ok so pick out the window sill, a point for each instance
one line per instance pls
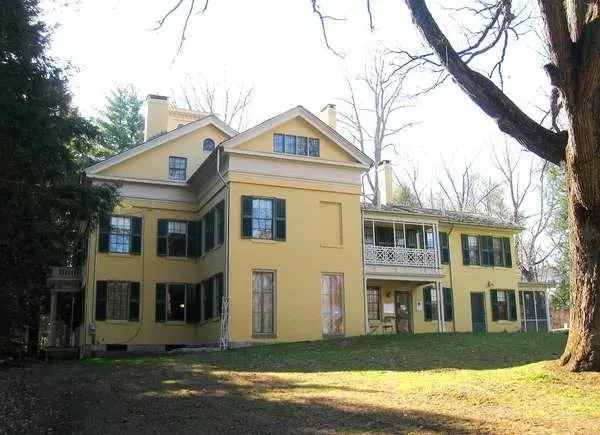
(117, 322)
(121, 254)
(172, 257)
(175, 323)
(265, 241)
(505, 321)
(259, 336)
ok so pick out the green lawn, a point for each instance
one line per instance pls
(457, 383)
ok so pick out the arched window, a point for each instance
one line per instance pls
(208, 144)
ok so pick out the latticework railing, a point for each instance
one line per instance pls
(389, 255)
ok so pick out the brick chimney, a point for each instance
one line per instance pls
(386, 187)
(157, 115)
(329, 115)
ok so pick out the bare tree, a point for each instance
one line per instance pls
(571, 34)
(372, 125)
(229, 103)
(409, 193)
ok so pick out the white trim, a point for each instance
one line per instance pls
(297, 157)
(309, 117)
(138, 180)
(160, 140)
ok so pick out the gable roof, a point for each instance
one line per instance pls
(160, 140)
(310, 118)
(447, 216)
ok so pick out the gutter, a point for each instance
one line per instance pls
(364, 272)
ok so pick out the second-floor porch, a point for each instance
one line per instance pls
(401, 248)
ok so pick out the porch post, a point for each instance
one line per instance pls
(404, 234)
(524, 319)
(52, 333)
(537, 329)
(394, 230)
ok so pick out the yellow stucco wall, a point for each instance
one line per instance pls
(298, 263)
(154, 163)
(149, 269)
(298, 127)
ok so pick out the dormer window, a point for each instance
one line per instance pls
(299, 145)
(208, 144)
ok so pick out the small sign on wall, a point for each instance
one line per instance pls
(388, 308)
(419, 306)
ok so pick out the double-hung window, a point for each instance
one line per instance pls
(444, 248)
(117, 300)
(486, 250)
(263, 218)
(430, 303)
(177, 238)
(504, 305)
(177, 168)
(120, 234)
(263, 303)
(299, 145)
(177, 303)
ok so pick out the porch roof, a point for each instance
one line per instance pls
(445, 216)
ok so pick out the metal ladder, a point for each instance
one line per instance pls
(224, 341)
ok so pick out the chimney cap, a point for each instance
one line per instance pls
(385, 162)
(156, 97)
(328, 106)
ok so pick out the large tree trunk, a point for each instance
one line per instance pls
(583, 180)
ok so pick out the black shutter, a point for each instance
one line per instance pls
(464, 239)
(104, 234)
(163, 230)
(221, 223)
(246, 217)
(101, 290)
(444, 248)
(209, 230)
(487, 251)
(199, 238)
(279, 215)
(219, 295)
(208, 298)
(192, 303)
(494, 299)
(191, 238)
(512, 305)
(136, 235)
(427, 308)
(134, 301)
(161, 302)
(507, 255)
(448, 304)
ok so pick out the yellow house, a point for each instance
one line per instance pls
(235, 238)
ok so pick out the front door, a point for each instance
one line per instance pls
(403, 312)
(478, 312)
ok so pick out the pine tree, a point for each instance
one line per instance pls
(45, 196)
(121, 125)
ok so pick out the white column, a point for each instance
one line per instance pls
(53, 306)
(394, 230)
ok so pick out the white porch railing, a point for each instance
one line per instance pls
(389, 255)
(65, 273)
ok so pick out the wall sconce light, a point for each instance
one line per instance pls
(388, 294)
(491, 284)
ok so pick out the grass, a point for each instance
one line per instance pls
(455, 383)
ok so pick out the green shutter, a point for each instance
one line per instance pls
(494, 300)
(427, 308)
(199, 238)
(246, 217)
(163, 230)
(208, 299)
(279, 216)
(209, 230)
(192, 238)
(104, 234)
(219, 293)
(101, 290)
(221, 223)
(464, 239)
(136, 235)
(161, 302)
(448, 304)
(512, 305)
(134, 302)
(507, 255)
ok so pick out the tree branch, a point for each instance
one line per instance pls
(555, 21)
(509, 118)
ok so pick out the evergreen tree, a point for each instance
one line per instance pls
(121, 124)
(46, 200)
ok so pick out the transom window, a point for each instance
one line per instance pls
(299, 145)
(208, 144)
(177, 168)
(120, 234)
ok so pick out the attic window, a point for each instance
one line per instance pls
(299, 145)
(208, 144)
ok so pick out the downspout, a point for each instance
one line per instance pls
(227, 201)
(364, 272)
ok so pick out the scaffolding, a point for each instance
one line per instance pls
(224, 341)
